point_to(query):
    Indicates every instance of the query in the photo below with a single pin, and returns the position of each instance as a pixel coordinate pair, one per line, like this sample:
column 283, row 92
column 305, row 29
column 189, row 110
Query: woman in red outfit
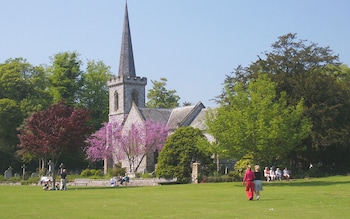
column 249, row 181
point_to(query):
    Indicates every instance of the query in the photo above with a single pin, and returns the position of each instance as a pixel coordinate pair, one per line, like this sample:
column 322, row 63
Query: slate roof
column 156, row 115
column 177, row 117
column 199, row 121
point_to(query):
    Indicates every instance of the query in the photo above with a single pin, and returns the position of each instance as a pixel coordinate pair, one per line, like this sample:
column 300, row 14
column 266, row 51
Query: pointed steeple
column 126, row 63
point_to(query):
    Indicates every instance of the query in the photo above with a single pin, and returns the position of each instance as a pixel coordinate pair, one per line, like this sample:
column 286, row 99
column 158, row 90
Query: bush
column 117, row 170
column 92, row 173
column 240, row 167
column 147, row 175
column 179, row 151
column 31, row 181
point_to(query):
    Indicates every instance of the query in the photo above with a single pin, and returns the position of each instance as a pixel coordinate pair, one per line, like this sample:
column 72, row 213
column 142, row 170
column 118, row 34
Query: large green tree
column 10, row 119
column 93, row 94
column 24, row 83
column 65, row 77
column 159, row 97
column 23, row 90
column 258, row 122
column 306, row 70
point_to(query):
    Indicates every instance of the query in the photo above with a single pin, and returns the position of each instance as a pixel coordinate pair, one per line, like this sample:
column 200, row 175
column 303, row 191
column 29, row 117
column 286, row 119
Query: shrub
column 241, row 166
column 86, row 173
column 117, row 170
column 224, row 178
column 33, row 180
column 179, row 151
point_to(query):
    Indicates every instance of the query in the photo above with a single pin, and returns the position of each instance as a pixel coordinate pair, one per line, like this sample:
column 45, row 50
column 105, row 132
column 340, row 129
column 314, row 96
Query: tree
column 186, row 103
column 11, row 118
column 160, row 97
column 180, row 150
column 93, row 94
column 100, row 144
column 65, row 77
column 14, row 74
column 306, row 70
column 48, row 133
column 140, row 140
column 257, row 122
column 132, row 143
column 23, row 90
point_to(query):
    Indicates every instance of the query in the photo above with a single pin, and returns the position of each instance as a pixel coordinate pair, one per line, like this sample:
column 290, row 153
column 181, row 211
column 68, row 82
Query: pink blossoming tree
column 132, row 143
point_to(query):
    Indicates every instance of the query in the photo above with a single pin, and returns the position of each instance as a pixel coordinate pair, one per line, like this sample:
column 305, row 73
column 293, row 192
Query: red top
column 249, row 176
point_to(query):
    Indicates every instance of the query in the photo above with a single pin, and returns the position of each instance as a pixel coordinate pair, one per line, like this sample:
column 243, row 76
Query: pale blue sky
column 192, row 43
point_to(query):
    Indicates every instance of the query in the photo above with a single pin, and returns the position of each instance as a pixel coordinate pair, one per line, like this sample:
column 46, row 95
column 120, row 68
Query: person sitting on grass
column 125, row 179
column 113, row 181
column 47, row 185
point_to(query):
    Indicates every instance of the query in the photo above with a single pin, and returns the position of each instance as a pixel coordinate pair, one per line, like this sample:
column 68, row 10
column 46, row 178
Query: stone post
column 23, row 171
column 195, row 172
column 50, row 164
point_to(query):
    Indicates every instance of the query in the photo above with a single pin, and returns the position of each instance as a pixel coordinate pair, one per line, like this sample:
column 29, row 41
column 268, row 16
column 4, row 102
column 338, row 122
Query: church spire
column 126, row 63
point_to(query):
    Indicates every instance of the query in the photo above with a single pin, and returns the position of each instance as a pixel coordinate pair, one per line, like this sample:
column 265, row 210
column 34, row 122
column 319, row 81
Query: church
column 127, row 99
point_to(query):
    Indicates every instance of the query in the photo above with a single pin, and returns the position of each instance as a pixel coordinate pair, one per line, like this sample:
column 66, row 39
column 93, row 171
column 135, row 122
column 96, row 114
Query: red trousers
column 249, row 189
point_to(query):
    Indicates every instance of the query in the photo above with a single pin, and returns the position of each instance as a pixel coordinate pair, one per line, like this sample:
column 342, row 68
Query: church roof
column 126, row 63
column 183, row 116
column 199, row 121
column 155, row 114
column 177, row 117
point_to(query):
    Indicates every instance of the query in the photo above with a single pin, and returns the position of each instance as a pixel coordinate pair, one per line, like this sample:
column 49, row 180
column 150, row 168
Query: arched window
column 135, row 96
column 116, row 101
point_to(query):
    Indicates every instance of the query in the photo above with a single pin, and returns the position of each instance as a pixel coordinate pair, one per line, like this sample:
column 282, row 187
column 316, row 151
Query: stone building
column 127, row 98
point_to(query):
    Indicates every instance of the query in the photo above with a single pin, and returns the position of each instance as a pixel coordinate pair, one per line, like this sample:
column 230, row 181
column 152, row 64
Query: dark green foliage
column 180, row 150
column 65, row 77
column 26, row 89
column 313, row 73
column 22, row 91
column 93, row 93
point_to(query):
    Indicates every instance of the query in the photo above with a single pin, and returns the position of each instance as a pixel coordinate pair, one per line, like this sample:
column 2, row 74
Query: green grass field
column 303, row 198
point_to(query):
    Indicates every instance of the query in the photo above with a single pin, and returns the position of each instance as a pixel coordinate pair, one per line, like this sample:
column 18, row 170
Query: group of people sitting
column 47, row 184
column 118, row 179
column 272, row 174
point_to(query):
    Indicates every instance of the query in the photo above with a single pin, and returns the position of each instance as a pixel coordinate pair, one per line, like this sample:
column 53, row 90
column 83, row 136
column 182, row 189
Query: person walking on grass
column 249, row 181
column 257, row 182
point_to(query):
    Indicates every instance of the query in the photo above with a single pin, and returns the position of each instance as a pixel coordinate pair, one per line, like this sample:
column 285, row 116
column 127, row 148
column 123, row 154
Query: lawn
column 327, row 197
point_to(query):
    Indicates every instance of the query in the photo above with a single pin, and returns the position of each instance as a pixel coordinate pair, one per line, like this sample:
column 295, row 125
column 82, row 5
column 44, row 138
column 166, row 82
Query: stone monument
column 195, row 172
column 8, row 173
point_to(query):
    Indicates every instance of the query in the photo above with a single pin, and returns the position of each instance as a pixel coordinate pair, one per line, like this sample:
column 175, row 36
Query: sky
column 194, row 44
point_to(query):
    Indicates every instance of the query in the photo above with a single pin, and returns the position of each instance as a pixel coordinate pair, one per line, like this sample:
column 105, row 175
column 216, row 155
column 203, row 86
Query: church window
column 116, row 101
column 135, row 97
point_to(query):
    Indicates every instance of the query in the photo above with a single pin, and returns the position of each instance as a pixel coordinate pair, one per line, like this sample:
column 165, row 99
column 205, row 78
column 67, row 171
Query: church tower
column 126, row 88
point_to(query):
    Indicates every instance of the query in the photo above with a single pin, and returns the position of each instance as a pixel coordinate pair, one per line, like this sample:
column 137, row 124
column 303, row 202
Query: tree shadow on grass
column 100, row 188
column 302, row 182
column 313, row 182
